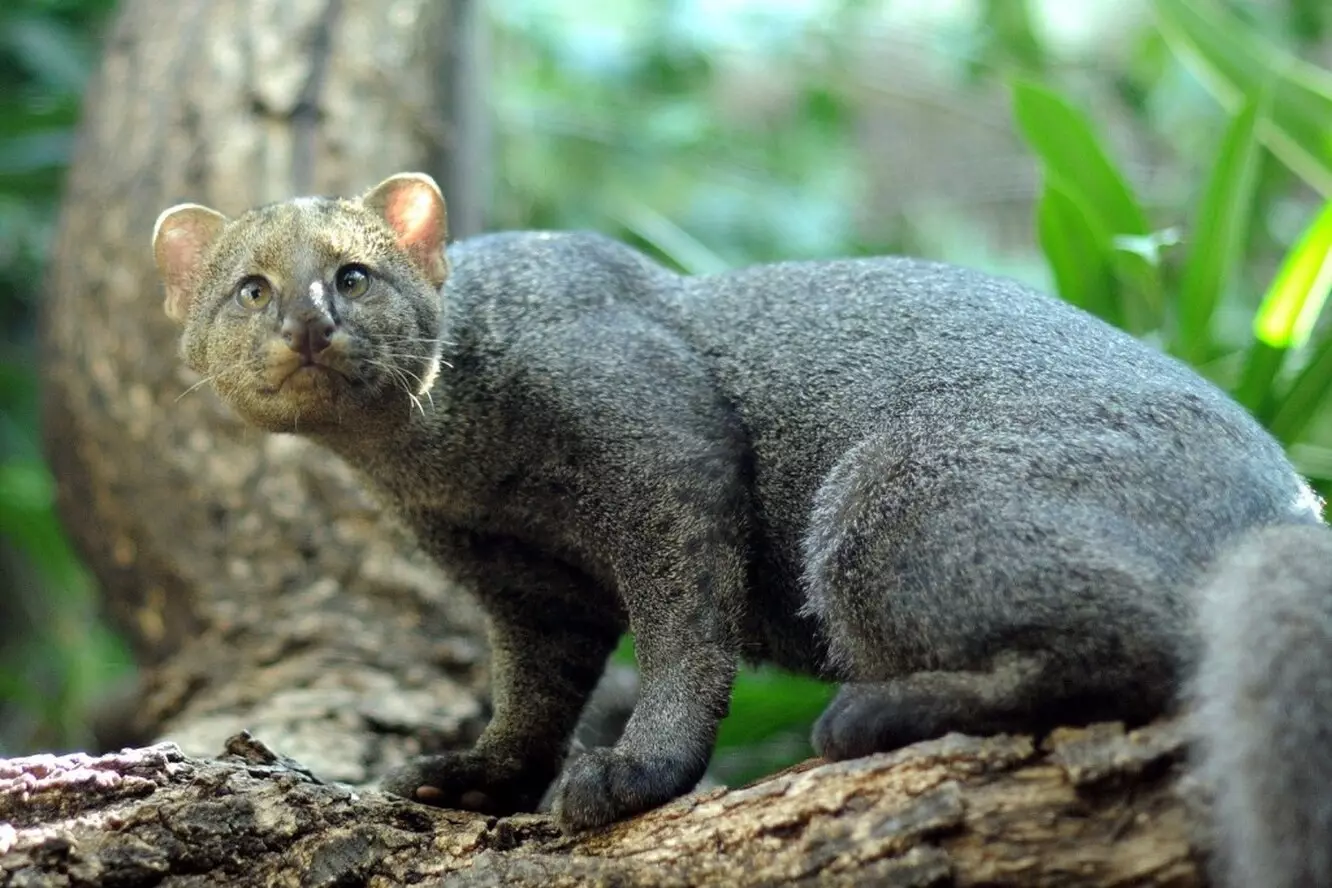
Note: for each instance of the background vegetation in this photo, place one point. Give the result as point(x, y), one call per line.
point(1166, 164)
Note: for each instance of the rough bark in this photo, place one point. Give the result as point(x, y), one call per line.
point(1095, 807)
point(262, 589)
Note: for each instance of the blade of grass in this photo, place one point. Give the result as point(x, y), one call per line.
point(1220, 229)
point(1306, 395)
point(1298, 292)
point(669, 239)
point(1287, 314)
point(1237, 66)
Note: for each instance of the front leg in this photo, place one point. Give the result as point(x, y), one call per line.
point(551, 631)
point(668, 741)
point(683, 591)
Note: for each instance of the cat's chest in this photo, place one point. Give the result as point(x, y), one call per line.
point(529, 502)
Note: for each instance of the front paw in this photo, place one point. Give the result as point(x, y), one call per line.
point(471, 781)
point(605, 785)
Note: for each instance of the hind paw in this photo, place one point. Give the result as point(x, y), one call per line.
point(867, 718)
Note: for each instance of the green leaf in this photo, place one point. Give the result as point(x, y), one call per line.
point(1237, 66)
point(25, 489)
point(53, 53)
point(1285, 319)
point(1309, 19)
point(1071, 153)
point(24, 155)
point(1262, 363)
point(1312, 461)
point(1076, 253)
point(1008, 38)
point(1220, 230)
point(669, 239)
point(1306, 395)
point(1063, 138)
point(1297, 294)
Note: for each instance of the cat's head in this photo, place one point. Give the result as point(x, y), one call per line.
point(314, 313)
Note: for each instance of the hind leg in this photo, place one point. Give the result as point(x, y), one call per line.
point(869, 717)
point(954, 608)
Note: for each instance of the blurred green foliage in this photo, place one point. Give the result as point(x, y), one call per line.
point(54, 654)
point(1184, 166)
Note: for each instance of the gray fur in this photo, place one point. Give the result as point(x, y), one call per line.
point(976, 506)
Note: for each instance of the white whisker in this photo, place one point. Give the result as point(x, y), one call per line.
point(233, 368)
point(400, 378)
point(202, 382)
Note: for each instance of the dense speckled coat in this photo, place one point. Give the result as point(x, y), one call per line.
point(978, 507)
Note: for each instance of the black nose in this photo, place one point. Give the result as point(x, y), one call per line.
point(307, 335)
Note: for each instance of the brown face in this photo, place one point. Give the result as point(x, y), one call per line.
point(312, 316)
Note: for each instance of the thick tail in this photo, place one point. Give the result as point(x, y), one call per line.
point(1263, 698)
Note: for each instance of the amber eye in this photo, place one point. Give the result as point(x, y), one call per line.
point(352, 280)
point(254, 293)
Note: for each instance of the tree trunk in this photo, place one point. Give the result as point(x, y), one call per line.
point(257, 582)
point(262, 589)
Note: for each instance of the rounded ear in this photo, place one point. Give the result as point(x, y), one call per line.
point(413, 206)
point(181, 237)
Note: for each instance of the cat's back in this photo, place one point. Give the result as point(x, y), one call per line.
point(861, 338)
